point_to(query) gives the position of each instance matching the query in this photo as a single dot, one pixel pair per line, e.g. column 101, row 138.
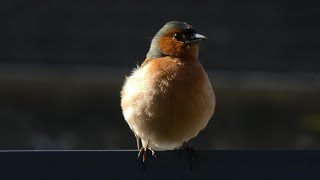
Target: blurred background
column 62, row 65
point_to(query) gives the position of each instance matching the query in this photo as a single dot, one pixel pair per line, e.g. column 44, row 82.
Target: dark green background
column 62, row 64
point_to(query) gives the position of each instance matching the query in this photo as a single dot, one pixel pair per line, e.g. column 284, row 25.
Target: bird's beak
column 196, row 38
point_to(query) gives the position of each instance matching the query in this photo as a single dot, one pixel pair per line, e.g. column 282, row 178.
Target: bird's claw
column 192, row 153
column 143, row 153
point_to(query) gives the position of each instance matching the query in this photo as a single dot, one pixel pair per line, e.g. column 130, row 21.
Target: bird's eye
column 179, row 37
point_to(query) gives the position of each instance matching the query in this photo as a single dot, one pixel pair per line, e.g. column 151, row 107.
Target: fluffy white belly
column 167, row 107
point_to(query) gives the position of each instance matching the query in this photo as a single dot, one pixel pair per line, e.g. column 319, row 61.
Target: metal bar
column 210, row 164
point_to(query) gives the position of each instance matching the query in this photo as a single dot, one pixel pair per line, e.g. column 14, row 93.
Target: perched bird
column 168, row 99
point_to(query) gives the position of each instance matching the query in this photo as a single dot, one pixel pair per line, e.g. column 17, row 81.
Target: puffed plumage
column 169, row 99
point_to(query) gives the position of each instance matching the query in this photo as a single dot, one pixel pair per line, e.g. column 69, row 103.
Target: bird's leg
column 191, row 152
column 139, row 144
column 143, row 152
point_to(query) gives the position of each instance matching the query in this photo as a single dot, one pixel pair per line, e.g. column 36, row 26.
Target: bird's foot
column 143, row 153
column 192, row 153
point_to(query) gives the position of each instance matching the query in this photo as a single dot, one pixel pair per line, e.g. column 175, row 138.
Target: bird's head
column 175, row 39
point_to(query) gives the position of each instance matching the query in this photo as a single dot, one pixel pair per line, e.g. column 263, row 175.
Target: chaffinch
column 168, row 99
